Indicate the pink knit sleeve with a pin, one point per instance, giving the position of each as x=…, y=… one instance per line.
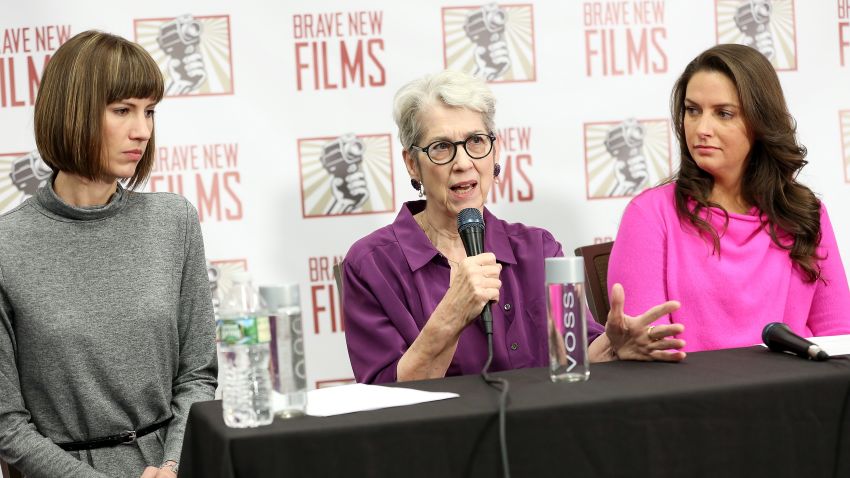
x=830, y=311
x=638, y=260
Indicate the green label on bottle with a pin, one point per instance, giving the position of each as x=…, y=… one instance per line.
x=245, y=330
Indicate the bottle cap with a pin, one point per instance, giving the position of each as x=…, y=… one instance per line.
x=564, y=270
x=239, y=276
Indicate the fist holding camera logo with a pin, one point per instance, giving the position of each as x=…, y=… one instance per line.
x=341, y=158
x=213, y=274
x=753, y=19
x=29, y=173
x=486, y=29
x=180, y=39
x=624, y=143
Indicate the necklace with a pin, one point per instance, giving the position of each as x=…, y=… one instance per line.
x=432, y=228
x=430, y=232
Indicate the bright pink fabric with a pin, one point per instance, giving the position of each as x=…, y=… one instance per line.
x=727, y=298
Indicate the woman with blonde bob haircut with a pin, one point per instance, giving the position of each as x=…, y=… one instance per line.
x=106, y=327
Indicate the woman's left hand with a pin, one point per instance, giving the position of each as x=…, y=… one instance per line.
x=633, y=338
x=154, y=472
x=150, y=472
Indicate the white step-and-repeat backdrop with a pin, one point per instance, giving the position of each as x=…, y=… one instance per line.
x=270, y=105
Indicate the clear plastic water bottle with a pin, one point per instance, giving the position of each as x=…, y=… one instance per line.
x=289, y=369
x=242, y=333
x=568, y=358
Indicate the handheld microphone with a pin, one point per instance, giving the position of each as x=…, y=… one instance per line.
x=470, y=226
x=780, y=338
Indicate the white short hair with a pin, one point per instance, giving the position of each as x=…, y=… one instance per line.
x=452, y=88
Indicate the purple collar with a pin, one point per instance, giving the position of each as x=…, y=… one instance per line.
x=419, y=251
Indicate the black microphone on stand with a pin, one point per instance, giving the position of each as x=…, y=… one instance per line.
x=470, y=226
x=780, y=338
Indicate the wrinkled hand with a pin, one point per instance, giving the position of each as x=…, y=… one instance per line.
x=631, y=337
x=474, y=282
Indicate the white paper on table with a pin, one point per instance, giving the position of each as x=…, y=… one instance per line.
x=833, y=344
x=358, y=397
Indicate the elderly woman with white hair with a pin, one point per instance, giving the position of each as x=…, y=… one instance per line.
x=411, y=293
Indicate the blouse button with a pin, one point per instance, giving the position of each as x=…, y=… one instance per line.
x=514, y=346
x=507, y=307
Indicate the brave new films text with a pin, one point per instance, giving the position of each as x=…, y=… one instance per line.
x=206, y=174
x=844, y=31
x=624, y=37
x=326, y=306
x=514, y=183
x=339, y=50
x=23, y=55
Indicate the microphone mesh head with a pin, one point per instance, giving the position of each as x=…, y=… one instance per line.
x=469, y=218
x=768, y=331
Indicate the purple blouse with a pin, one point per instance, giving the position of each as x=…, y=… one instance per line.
x=394, y=278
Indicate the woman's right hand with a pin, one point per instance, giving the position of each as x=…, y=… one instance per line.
x=474, y=282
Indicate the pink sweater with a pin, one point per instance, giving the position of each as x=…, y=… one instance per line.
x=726, y=298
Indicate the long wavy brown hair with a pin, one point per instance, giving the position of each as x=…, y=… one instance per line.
x=788, y=208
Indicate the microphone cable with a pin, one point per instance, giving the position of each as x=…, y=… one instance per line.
x=470, y=227
x=502, y=385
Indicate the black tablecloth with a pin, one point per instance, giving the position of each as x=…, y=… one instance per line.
x=741, y=412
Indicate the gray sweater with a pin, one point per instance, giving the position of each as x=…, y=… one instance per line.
x=106, y=325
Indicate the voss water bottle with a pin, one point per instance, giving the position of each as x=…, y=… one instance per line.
x=289, y=377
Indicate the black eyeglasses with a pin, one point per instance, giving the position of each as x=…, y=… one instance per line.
x=476, y=146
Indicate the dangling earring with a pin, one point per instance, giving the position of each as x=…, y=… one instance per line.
x=496, y=170
x=417, y=186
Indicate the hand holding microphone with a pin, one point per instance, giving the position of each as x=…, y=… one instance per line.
x=474, y=284
x=470, y=226
x=780, y=338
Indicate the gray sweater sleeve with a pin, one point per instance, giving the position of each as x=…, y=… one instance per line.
x=23, y=446
x=197, y=368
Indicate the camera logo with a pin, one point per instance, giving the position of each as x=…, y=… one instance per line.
x=844, y=118
x=493, y=42
x=348, y=174
x=219, y=273
x=624, y=158
x=769, y=26
x=21, y=174
x=192, y=52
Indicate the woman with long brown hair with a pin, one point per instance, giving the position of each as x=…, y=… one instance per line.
x=733, y=235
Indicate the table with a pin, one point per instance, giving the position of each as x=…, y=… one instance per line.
x=739, y=412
